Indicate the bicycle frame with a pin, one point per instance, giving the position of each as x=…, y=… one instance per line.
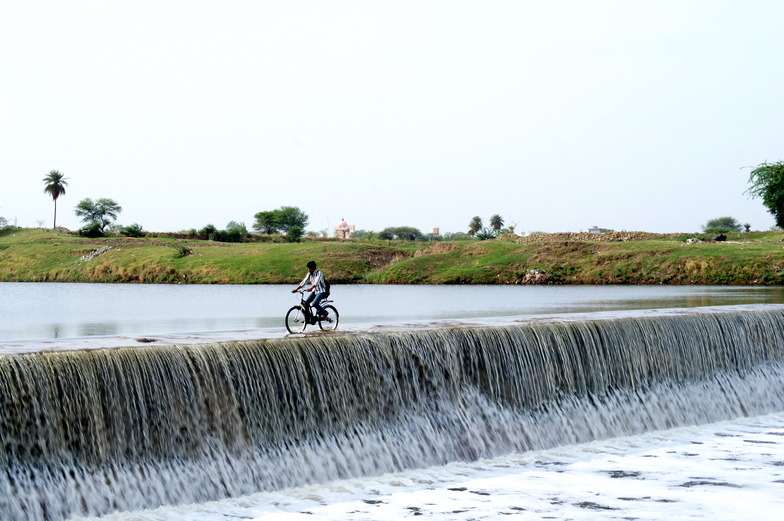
x=299, y=317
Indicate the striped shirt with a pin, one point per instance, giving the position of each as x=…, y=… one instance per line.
x=317, y=279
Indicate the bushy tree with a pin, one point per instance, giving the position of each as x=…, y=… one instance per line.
x=234, y=232
x=292, y=217
x=280, y=220
x=92, y=229
x=98, y=214
x=404, y=233
x=208, y=231
x=133, y=230
x=722, y=225
x=266, y=222
x=240, y=227
x=54, y=185
x=767, y=182
x=294, y=234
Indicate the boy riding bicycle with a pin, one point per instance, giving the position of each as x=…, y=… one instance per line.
x=316, y=279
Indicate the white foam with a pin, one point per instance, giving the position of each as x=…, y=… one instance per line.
x=724, y=471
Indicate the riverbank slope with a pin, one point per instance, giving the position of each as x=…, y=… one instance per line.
x=755, y=258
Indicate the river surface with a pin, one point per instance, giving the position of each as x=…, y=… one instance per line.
x=32, y=311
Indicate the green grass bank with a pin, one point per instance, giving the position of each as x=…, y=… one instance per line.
x=755, y=258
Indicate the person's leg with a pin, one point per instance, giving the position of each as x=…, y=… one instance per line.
x=316, y=304
x=308, y=300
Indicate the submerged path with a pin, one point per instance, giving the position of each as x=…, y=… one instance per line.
x=209, y=337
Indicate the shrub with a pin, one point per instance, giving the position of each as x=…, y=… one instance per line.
x=722, y=225
x=486, y=233
x=207, y=231
x=294, y=234
x=457, y=236
x=92, y=230
x=363, y=234
x=133, y=230
x=405, y=233
x=182, y=251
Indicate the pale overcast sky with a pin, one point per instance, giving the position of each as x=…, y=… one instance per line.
x=558, y=115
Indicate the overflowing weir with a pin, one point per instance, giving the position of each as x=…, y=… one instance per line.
x=94, y=431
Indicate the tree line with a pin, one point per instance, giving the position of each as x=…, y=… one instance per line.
x=766, y=182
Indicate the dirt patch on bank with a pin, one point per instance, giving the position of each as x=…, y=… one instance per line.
x=439, y=247
x=380, y=257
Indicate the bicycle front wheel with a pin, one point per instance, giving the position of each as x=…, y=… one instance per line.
x=296, y=321
x=331, y=322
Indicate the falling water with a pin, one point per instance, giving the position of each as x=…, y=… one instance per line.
x=90, y=432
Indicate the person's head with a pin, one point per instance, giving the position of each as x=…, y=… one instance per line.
x=311, y=265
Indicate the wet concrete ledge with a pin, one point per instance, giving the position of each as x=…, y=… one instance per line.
x=8, y=347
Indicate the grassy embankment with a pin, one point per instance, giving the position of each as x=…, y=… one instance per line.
x=755, y=258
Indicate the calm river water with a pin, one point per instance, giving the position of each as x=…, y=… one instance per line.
x=53, y=310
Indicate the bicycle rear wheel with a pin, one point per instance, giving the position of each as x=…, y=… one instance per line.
x=331, y=322
x=296, y=321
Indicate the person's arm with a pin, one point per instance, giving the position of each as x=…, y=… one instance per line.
x=304, y=281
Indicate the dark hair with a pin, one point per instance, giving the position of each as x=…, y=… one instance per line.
x=312, y=264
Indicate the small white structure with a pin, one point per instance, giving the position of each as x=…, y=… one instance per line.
x=435, y=230
x=343, y=229
x=595, y=229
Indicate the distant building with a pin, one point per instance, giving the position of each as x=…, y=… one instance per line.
x=343, y=229
x=435, y=230
x=596, y=229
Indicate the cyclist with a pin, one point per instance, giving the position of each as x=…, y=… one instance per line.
x=316, y=279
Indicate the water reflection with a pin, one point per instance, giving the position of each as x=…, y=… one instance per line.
x=98, y=329
x=52, y=310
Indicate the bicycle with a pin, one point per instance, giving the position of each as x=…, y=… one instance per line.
x=298, y=317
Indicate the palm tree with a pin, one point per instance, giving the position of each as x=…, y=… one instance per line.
x=55, y=186
x=474, y=226
x=496, y=222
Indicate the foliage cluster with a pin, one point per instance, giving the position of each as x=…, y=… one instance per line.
x=721, y=225
x=133, y=230
x=476, y=228
x=234, y=232
x=403, y=233
x=288, y=220
x=181, y=251
x=97, y=215
x=767, y=182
